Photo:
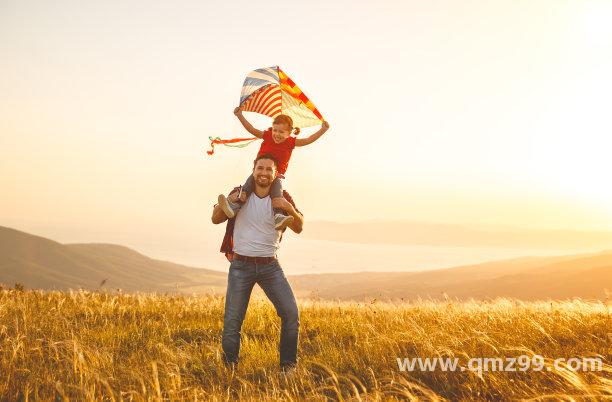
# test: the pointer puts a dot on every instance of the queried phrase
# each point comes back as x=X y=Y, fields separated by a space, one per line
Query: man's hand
x=233 y=197
x=218 y=216
x=298 y=219
x=238 y=111
x=325 y=125
x=283 y=204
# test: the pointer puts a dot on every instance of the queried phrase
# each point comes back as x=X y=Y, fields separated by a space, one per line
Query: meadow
x=82 y=345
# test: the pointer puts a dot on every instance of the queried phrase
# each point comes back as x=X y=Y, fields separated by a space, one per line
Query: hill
x=37 y=262
x=529 y=278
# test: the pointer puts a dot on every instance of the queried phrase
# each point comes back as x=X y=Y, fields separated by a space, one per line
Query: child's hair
x=284 y=119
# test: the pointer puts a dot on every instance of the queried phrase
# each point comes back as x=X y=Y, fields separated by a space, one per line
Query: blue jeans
x=270 y=277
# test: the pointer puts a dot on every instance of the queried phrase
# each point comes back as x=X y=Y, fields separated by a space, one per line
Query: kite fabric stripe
x=266 y=101
x=257 y=79
x=300 y=114
x=287 y=85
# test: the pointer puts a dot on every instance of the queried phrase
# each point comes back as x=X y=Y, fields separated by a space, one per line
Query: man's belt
x=256 y=260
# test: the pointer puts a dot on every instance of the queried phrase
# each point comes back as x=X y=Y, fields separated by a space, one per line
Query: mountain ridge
x=37 y=262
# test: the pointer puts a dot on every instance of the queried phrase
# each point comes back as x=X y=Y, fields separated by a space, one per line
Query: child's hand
x=325 y=125
x=238 y=110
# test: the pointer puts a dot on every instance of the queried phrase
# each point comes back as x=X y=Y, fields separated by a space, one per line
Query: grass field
x=82 y=345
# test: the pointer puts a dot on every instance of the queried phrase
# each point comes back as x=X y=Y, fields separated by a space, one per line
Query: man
x=253 y=260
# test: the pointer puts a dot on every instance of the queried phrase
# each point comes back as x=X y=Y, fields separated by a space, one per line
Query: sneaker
x=227 y=206
x=282 y=221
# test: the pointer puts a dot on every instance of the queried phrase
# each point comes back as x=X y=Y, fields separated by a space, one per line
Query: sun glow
x=579 y=167
x=595 y=22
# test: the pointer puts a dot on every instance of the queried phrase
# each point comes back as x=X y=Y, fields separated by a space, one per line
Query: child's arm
x=300 y=142
x=248 y=126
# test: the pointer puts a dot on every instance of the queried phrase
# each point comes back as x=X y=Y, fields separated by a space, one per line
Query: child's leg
x=249 y=185
x=276 y=191
x=281 y=219
x=231 y=208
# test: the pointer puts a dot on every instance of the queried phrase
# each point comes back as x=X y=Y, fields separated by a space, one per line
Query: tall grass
x=83 y=345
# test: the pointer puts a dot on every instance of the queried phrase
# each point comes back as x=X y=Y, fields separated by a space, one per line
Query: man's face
x=264 y=172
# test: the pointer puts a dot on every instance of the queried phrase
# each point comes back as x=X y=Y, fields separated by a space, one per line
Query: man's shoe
x=282 y=221
x=227 y=206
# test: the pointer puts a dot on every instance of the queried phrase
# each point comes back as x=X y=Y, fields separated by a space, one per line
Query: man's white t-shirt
x=254 y=233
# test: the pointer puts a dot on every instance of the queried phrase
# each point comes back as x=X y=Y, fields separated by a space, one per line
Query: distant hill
x=531 y=278
x=453 y=235
x=37 y=262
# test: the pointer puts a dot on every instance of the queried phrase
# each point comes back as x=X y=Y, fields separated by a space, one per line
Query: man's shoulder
x=286 y=196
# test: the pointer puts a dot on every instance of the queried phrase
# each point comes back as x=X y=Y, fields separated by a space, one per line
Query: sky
x=472 y=112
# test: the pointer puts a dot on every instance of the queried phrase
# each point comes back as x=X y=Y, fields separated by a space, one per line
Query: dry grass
x=83 y=345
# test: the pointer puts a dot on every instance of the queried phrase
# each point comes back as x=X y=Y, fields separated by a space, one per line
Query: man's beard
x=263 y=180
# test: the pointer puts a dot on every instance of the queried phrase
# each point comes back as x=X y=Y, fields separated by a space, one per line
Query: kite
x=270 y=92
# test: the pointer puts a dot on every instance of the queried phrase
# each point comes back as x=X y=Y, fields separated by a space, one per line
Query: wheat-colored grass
x=83 y=345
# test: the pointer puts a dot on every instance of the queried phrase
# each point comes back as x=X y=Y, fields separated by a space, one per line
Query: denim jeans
x=270 y=277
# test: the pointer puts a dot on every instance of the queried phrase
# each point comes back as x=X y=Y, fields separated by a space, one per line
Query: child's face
x=280 y=132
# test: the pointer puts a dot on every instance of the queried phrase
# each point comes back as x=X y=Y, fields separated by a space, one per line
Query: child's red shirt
x=282 y=152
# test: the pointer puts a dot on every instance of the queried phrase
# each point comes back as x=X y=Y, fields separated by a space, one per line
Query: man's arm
x=298 y=222
x=300 y=142
x=245 y=123
x=218 y=216
x=298 y=219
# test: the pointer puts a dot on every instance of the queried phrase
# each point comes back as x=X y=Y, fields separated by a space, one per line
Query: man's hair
x=266 y=156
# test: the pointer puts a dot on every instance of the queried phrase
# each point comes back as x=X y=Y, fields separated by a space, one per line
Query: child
x=278 y=142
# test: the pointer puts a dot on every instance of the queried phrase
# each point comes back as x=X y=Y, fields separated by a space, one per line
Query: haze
x=451 y=112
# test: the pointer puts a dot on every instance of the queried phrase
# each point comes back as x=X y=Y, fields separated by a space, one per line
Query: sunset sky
x=440 y=111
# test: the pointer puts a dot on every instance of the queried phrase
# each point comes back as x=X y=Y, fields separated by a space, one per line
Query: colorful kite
x=269 y=91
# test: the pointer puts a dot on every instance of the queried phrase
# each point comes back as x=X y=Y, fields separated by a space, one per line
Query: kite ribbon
x=234 y=142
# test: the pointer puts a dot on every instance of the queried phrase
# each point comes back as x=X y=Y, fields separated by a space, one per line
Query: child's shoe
x=281 y=221
x=230 y=208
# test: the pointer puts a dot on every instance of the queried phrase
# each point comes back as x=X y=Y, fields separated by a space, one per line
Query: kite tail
x=233 y=142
